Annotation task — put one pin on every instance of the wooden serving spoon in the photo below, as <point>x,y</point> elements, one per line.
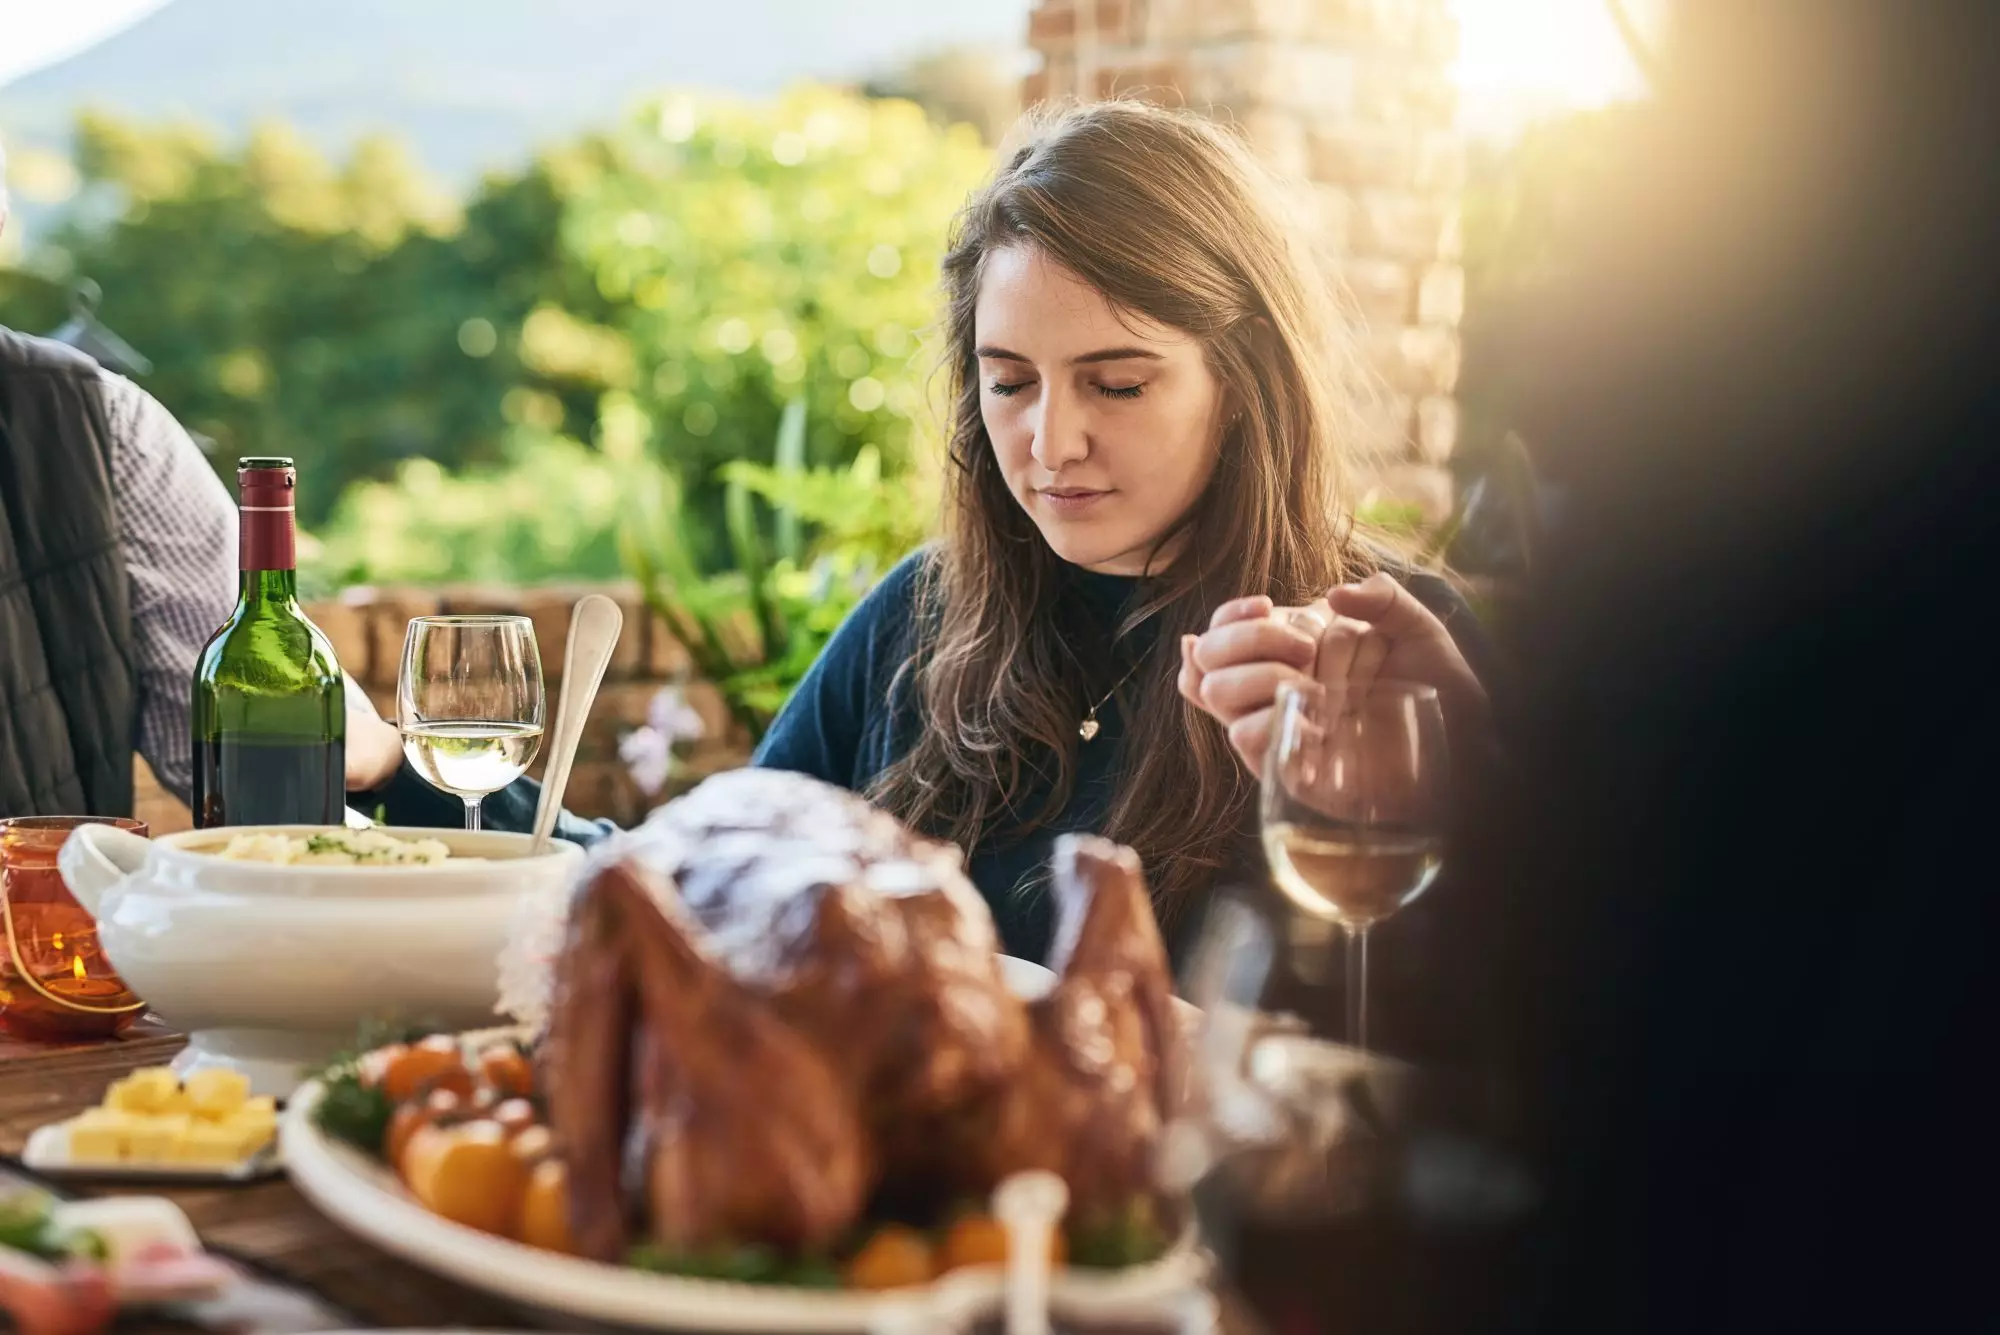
<point>593,633</point>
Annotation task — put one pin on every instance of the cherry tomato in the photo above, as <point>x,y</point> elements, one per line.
<point>435,1063</point>
<point>504,1068</point>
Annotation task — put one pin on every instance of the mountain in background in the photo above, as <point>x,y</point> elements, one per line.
<point>473,84</point>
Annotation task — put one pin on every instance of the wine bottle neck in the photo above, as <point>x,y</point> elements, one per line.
<point>268,537</point>
<point>264,588</point>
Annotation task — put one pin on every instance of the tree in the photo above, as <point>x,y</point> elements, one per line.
<point>753,254</point>
<point>292,306</point>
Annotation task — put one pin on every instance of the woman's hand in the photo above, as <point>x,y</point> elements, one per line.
<point>1374,628</point>
<point>1233,670</point>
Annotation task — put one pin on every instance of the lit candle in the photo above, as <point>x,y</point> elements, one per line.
<point>77,985</point>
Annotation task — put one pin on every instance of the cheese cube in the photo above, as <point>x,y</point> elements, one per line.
<point>98,1136</point>
<point>251,1135</point>
<point>209,1143</point>
<point>145,1090</point>
<point>155,1139</point>
<point>124,1096</point>
<point>216,1092</point>
<point>176,1102</point>
<point>159,1082</point>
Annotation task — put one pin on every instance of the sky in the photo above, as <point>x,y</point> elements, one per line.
<point>34,33</point>
<point>1547,53</point>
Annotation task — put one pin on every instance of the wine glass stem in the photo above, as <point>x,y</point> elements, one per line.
<point>471,813</point>
<point>1357,985</point>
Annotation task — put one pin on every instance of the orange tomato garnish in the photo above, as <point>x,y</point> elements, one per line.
<point>404,1123</point>
<point>466,1174</point>
<point>896,1257</point>
<point>435,1063</point>
<point>504,1068</point>
<point>544,1220</point>
<point>440,1107</point>
<point>979,1239</point>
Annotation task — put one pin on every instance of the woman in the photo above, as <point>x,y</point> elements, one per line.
<point>1144,428</point>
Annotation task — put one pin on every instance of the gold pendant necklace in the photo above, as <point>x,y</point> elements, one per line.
<point>1090,727</point>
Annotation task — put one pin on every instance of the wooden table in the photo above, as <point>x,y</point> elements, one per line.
<point>265,1222</point>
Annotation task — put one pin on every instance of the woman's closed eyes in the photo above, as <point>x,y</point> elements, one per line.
<point>1008,390</point>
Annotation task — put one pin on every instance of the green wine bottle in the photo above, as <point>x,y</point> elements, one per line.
<point>270,709</point>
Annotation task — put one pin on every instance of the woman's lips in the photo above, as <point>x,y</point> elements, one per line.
<point>1070,500</point>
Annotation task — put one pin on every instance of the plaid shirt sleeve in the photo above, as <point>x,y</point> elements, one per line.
<point>179,533</point>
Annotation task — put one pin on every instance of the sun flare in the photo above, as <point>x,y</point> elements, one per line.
<point>1526,57</point>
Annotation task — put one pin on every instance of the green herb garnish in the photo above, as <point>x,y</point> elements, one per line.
<point>1112,1241</point>
<point>738,1265</point>
<point>351,1111</point>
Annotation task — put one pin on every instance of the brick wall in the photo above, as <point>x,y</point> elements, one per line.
<point>1353,100</point>
<point>366,627</point>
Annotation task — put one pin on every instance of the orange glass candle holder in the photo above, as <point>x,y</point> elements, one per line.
<point>55,984</point>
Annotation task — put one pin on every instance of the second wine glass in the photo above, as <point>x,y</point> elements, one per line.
<point>469,703</point>
<point>1354,810</point>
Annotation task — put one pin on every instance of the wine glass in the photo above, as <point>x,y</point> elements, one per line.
<point>469,703</point>
<point>1353,810</point>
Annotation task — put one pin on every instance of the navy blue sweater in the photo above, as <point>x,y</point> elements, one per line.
<point>845,725</point>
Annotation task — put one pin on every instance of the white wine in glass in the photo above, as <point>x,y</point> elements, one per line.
<point>1354,877</point>
<point>473,756</point>
<point>469,703</point>
<point>1353,810</point>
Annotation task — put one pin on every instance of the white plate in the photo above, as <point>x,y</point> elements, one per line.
<point>364,1196</point>
<point>47,1151</point>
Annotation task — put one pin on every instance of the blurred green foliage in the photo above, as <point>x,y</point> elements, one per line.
<point>571,375</point>
<point>291,307</point>
<point>805,543</point>
<point>706,260</point>
<point>550,508</point>
<point>757,254</point>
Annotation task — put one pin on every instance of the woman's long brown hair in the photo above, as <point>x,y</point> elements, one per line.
<point>1170,218</point>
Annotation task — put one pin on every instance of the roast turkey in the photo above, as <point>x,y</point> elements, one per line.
<point>867,938</point>
<point>773,1001</point>
<point>685,1109</point>
<point>1101,1075</point>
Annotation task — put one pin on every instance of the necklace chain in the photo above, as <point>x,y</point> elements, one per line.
<point>1090,727</point>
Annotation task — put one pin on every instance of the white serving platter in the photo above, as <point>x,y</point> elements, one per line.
<point>365,1196</point>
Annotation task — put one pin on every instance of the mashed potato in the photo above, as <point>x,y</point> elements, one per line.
<point>336,848</point>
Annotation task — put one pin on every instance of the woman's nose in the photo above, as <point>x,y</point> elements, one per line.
<point>1060,434</point>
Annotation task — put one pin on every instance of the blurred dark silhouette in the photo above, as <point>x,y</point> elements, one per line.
<point>1742,894</point>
